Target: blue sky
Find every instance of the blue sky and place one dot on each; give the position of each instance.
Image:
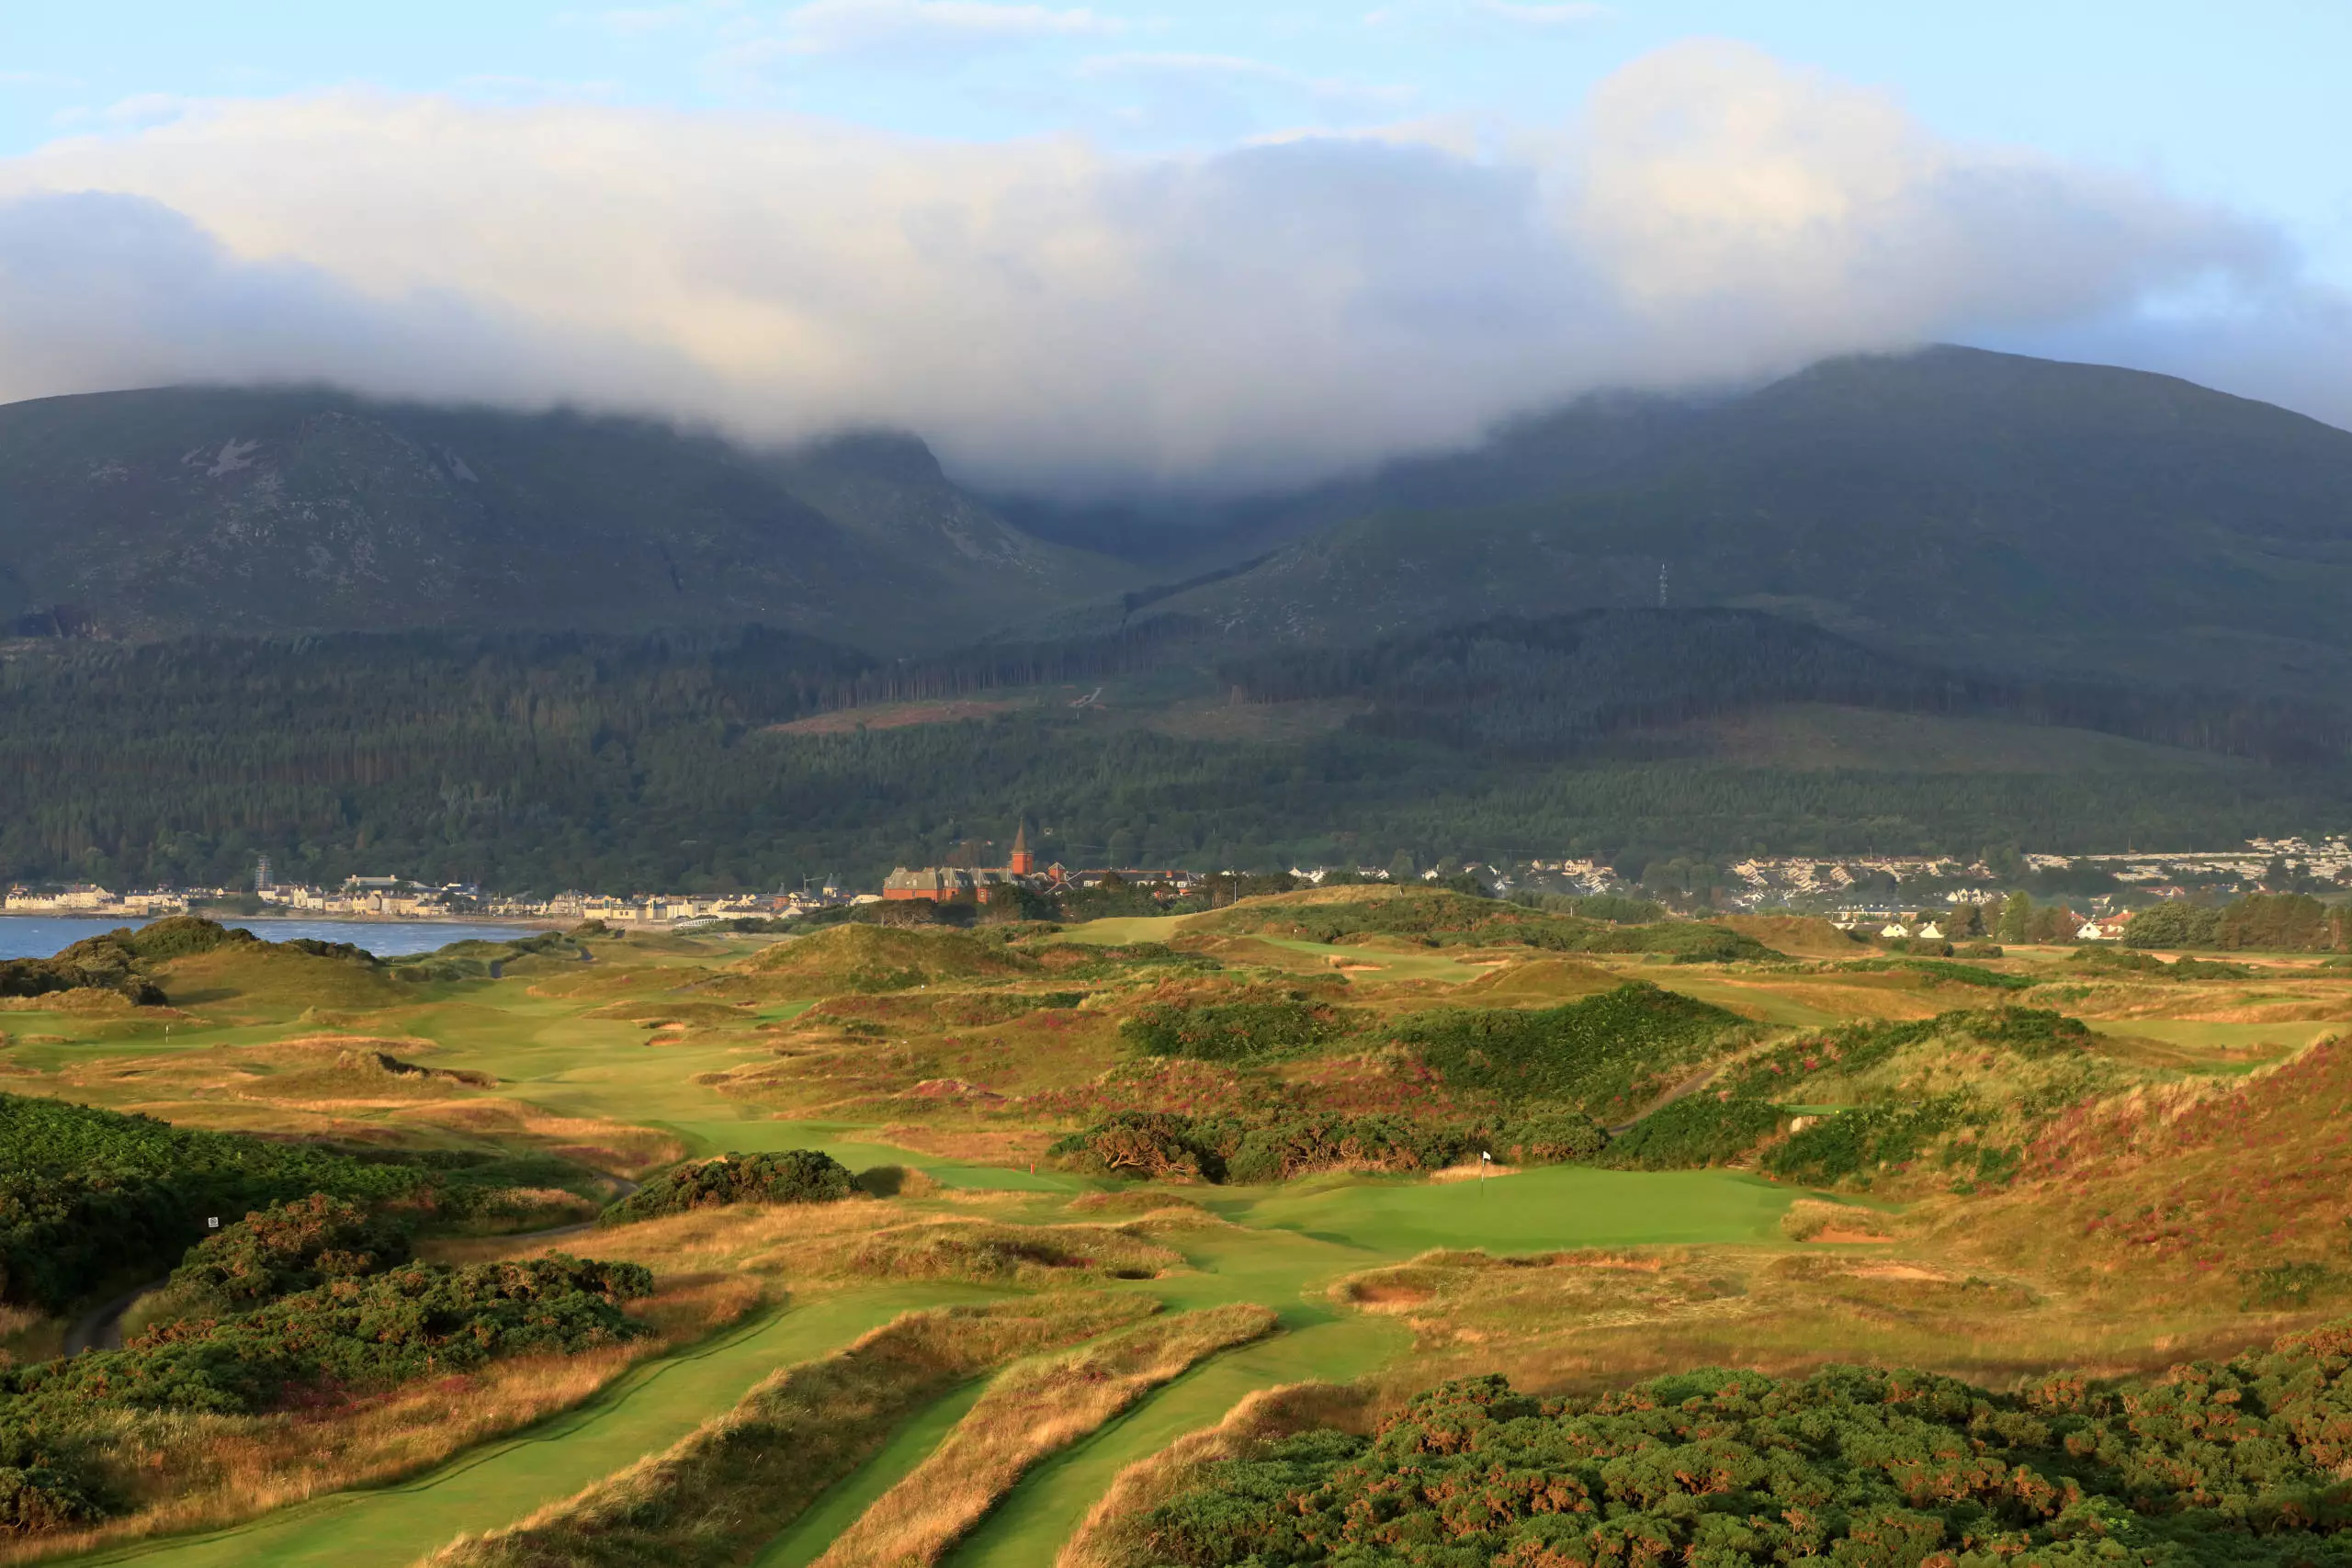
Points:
(2187, 157)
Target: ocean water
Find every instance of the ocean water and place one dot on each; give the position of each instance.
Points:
(40, 936)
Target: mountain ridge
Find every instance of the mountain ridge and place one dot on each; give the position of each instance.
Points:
(254, 512)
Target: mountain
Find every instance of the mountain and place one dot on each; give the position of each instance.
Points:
(190, 510)
(1991, 510)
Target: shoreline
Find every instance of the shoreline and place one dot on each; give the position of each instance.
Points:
(225, 915)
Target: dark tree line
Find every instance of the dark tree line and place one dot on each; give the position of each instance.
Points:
(1551, 685)
(547, 762)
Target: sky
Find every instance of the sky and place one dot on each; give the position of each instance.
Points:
(1123, 244)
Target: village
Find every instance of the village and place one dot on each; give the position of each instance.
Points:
(1920, 896)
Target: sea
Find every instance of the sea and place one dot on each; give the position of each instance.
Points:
(42, 936)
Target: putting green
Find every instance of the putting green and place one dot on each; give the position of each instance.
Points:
(1548, 1207)
(649, 1408)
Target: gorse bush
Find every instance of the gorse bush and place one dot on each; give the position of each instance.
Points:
(349, 1335)
(282, 1249)
(1233, 1031)
(1607, 1055)
(792, 1175)
(1697, 1130)
(1279, 1144)
(1855, 1143)
(355, 1333)
(87, 1195)
(2242, 1462)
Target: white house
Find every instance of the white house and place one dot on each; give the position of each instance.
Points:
(1895, 928)
(1932, 932)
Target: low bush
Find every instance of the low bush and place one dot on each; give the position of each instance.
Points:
(1855, 1145)
(1607, 1055)
(1282, 1144)
(348, 1333)
(1940, 969)
(1697, 1130)
(2240, 1462)
(792, 1175)
(1233, 1031)
(88, 1195)
(284, 1249)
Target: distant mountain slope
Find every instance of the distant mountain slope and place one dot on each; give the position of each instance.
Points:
(1994, 509)
(204, 509)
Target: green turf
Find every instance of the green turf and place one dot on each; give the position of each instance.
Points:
(1124, 929)
(1548, 1207)
(2226, 1036)
(1040, 1512)
(647, 1410)
(837, 1509)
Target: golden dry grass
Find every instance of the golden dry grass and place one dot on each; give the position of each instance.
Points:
(1031, 1410)
(726, 1490)
(1582, 1322)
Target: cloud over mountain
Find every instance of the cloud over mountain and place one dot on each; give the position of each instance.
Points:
(1047, 312)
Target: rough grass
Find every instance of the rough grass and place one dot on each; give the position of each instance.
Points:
(722, 1493)
(860, 957)
(1031, 1410)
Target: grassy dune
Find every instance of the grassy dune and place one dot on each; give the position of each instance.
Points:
(1029, 1412)
(2168, 1184)
(735, 1482)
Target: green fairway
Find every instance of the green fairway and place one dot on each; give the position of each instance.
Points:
(2194, 1033)
(1124, 929)
(1040, 1513)
(835, 1138)
(647, 1410)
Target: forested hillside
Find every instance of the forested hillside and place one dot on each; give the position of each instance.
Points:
(619, 763)
(1983, 510)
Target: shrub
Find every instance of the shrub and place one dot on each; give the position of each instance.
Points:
(1282, 1144)
(282, 1249)
(87, 1194)
(1551, 1137)
(1697, 1130)
(793, 1176)
(1857, 1143)
(361, 1333)
(1605, 1054)
(2236, 1463)
(1233, 1031)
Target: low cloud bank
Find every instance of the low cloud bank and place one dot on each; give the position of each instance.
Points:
(1050, 315)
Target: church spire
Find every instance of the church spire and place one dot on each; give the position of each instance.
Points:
(1022, 863)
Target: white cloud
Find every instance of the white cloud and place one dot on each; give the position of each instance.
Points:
(1044, 311)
